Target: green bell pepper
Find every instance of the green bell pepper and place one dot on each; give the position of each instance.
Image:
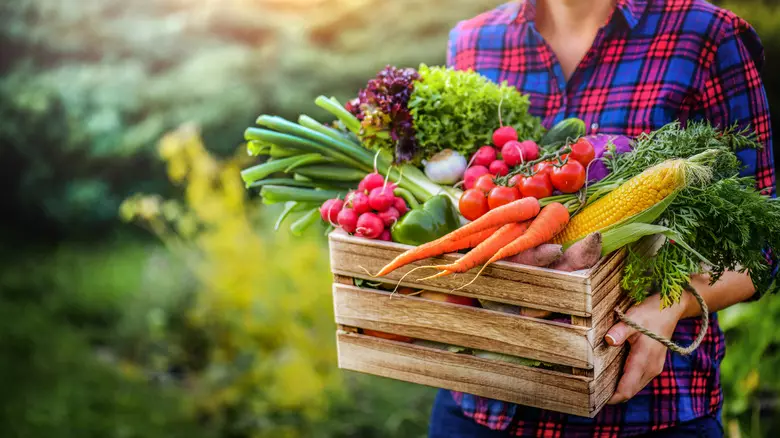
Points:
(435, 218)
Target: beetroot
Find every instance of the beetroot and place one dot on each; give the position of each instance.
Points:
(370, 182)
(484, 156)
(381, 198)
(359, 202)
(389, 216)
(400, 205)
(347, 220)
(369, 225)
(330, 209)
(503, 135)
(471, 175)
(499, 168)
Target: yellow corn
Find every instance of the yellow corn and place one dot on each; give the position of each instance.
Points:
(634, 196)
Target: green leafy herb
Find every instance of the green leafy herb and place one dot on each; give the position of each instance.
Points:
(460, 110)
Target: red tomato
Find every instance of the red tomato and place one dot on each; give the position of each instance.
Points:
(583, 152)
(515, 180)
(537, 186)
(501, 195)
(568, 178)
(545, 167)
(485, 183)
(473, 204)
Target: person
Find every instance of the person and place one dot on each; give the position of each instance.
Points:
(626, 67)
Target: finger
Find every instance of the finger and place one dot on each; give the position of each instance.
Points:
(618, 334)
(632, 380)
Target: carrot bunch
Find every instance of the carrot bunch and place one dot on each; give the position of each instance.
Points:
(501, 233)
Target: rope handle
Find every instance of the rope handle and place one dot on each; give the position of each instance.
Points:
(685, 351)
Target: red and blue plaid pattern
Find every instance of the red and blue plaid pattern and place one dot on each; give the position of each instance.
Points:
(652, 63)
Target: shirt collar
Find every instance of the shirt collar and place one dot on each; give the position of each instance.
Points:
(631, 11)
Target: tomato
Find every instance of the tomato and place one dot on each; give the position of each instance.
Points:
(537, 186)
(545, 167)
(501, 195)
(582, 151)
(568, 178)
(473, 204)
(515, 180)
(485, 183)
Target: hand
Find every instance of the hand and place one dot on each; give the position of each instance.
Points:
(646, 357)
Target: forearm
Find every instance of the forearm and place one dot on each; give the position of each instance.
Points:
(730, 289)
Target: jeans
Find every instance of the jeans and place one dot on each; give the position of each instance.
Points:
(448, 421)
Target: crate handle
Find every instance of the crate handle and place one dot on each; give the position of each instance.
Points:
(685, 351)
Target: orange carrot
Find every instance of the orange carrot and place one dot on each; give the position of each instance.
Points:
(486, 249)
(418, 253)
(551, 220)
(516, 211)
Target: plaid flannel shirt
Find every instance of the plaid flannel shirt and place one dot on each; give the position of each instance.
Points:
(653, 62)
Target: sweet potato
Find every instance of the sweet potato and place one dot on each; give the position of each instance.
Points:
(582, 255)
(535, 313)
(542, 255)
(500, 307)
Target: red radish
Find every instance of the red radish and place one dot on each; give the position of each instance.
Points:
(400, 205)
(471, 175)
(370, 182)
(498, 168)
(512, 153)
(484, 156)
(503, 135)
(359, 202)
(330, 209)
(347, 220)
(381, 198)
(530, 150)
(389, 216)
(369, 225)
(385, 236)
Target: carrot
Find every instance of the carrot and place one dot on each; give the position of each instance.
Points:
(420, 252)
(551, 220)
(484, 250)
(516, 211)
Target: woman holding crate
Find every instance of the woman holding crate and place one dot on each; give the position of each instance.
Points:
(626, 67)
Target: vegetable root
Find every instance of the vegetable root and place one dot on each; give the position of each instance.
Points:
(583, 254)
(541, 256)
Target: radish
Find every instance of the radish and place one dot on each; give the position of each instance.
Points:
(530, 150)
(369, 225)
(400, 205)
(389, 216)
(484, 156)
(347, 220)
(503, 135)
(381, 198)
(370, 182)
(385, 236)
(499, 168)
(330, 210)
(471, 175)
(359, 202)
(512, 153)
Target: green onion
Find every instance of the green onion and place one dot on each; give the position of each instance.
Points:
(270, 167)
(276, 194)
(289, 182)
(331, 173)
(304, 222)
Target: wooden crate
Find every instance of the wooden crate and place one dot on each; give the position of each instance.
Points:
(584, 372)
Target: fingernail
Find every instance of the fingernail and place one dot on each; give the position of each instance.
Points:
(610, 340)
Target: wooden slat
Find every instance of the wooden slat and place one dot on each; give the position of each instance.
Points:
(603, 356)
(604, 385)
(472, 327)
(605, 316)
(501, 381)
(503, 282)
(582, 322)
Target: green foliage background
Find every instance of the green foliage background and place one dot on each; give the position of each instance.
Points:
(98, 318)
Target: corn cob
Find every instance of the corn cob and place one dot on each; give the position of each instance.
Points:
(634, 196)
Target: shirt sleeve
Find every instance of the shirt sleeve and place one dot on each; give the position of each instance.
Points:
(733, 93)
